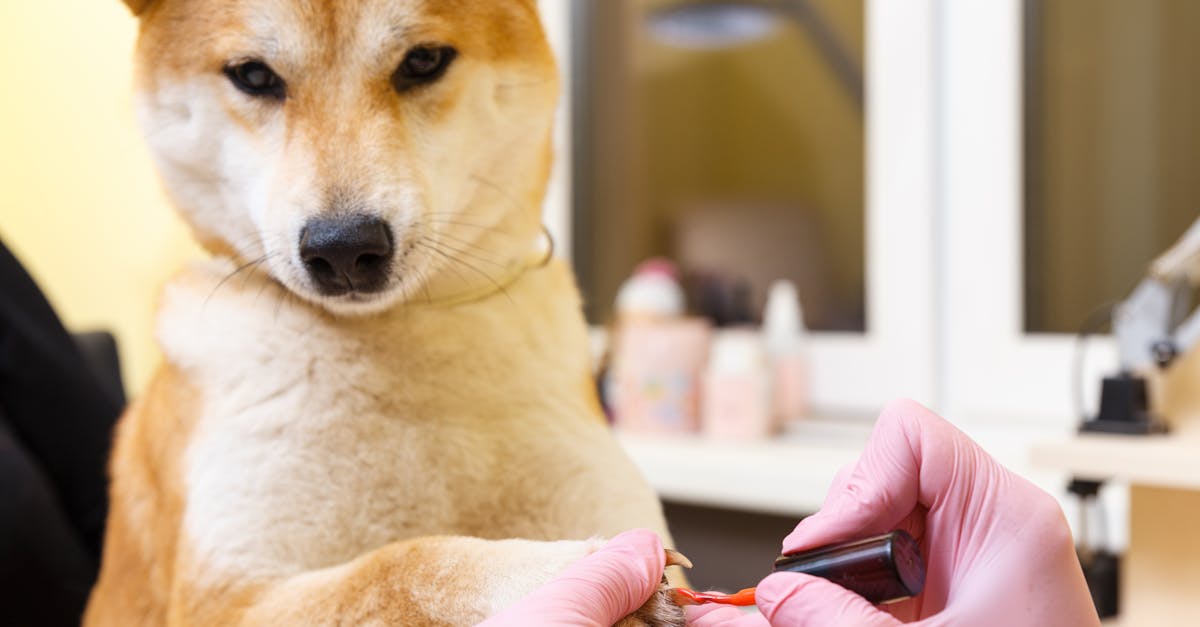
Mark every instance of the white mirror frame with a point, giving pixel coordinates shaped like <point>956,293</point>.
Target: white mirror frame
<point>994,370</point>
<point>860,372</point>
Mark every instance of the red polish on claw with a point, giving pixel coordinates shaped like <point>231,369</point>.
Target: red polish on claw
<point>742,598</point>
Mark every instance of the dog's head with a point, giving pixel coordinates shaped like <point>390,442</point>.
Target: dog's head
<point>357,149</point>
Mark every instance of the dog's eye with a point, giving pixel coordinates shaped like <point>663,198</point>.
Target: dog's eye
<point>257,79</point>
<point>423,65</point>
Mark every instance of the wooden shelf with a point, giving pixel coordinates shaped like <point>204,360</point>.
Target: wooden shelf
<point>1162,461</point>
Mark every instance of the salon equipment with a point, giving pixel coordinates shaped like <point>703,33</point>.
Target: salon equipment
<point>1101,567</point>
<point>1154,328</point>
<point>1157,331</point>
<point>883,569</point>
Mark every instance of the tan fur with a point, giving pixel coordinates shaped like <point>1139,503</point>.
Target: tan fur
<point>312,460</point>
<point>138,6</point>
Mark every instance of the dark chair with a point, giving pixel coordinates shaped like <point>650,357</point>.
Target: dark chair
<point>60,396</point>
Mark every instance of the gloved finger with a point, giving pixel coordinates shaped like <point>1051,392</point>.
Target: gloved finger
<point>723,616</point>
<point>601,588</point>
<point>914,523</point>
<point>625,572</point>
<point>839,482</point>
<point>912,457</point>
<point>800,600</point>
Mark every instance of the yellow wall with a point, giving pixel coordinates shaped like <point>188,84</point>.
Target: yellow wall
<point>79,201</point>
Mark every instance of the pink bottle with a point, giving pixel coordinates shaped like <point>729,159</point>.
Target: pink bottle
<point>658,355</point>
<point>737,388</point>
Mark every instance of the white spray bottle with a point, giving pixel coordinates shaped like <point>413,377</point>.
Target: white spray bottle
<point>785,336</point>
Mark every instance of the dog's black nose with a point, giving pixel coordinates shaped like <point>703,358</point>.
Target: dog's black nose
<point>347,254</point>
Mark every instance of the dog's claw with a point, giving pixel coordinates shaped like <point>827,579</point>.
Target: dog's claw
<point>686,596</point>
<point>675,558</point>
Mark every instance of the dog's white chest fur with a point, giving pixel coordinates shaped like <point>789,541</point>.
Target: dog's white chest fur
<point>322,438</point>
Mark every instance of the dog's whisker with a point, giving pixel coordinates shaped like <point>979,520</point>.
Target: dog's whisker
<point>424,279</point>
<point>262,288</point>
<point>465,217</point>
<point>432,225</point>
<point>454,260</point>
<point>229,276</point>
<point>257,264</point>
<point>265,284</point>
<point>500,288</point>
<point>444,222</point>
<point>475,176</point>
<point>463,211</point>
<point>420,281</point>
<point>283,294</point>
<point>253,244</point>
<point>468,254</point>
<point>463,242</point>
<point>461,277</point>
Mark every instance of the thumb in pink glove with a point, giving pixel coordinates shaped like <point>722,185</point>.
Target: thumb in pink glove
<point>998,550</point>
<point>596,591</point>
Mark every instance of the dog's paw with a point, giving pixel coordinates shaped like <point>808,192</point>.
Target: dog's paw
<point>661,610</point>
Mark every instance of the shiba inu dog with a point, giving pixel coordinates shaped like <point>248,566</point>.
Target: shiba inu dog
<point>376,404</point>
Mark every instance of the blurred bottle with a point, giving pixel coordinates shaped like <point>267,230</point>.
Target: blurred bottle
<point>785,336</point>
<point>652,292</point>
<point>658,354</point>
<point>737,388</point>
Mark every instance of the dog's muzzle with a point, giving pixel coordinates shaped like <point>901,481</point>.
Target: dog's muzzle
<point>347,254</point>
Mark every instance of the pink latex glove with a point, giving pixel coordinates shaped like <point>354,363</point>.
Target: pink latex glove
<point>598,590</point>
<point>998,550</point>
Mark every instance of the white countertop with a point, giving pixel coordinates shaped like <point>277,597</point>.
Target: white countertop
<point>791,474</point>
<point>787,475</point>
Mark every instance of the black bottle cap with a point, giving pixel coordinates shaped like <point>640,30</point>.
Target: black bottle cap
<point>883,569</point>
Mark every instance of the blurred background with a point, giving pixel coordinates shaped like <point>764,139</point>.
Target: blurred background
<point>739,153</point>
<point>954,189</point>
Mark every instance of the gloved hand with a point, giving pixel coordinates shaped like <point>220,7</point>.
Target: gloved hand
<point>598,590</point>
<point>998,550</point>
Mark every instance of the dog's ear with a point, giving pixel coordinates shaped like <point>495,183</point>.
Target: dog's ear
<point>138,6</point>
